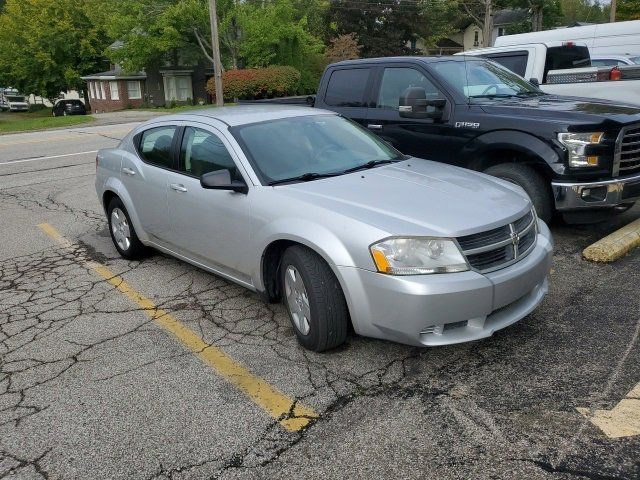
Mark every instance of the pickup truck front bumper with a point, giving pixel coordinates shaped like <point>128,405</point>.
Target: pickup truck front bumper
<point>608,193</point>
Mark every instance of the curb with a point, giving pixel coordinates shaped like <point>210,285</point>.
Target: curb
<point>614,245</point>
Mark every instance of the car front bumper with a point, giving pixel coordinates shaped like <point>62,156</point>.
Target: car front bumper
<point>431,310</point>
<point>609,193</point>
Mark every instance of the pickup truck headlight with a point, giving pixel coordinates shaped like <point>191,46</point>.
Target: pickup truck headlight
<point>576,144</point>
<point>417,256</point>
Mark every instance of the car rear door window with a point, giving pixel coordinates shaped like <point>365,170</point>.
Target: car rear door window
<point>155,146</point>
<point>396,80</point>
<point>203,152</point>
<point>516,61</point>
<point>347,88</point>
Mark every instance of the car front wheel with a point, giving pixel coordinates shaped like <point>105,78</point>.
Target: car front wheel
<point>314,299</point>
<point>122,232</point>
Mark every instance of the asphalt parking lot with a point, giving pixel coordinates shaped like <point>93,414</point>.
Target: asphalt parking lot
<point>155,369</point>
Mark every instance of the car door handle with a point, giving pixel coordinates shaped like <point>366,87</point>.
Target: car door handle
<point>128,171</point>
<point>178,187</point>
<point>374,126</point>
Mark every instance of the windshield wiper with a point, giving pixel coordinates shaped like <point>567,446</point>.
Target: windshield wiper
<point>493,95</point>
<point>368,165</point>
<point>530,94</point>
<point>305,177</point>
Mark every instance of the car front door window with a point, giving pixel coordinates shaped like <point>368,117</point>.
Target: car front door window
<point>396,80</point>
<point>203,152</point>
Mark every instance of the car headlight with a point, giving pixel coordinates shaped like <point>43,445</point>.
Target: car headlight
<point>576,144</point>
<point>417,256</point>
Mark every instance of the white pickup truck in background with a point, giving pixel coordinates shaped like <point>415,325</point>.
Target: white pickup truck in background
<point>12,100</point>
<point>564,68</point>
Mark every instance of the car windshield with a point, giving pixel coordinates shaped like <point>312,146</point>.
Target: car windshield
<point>484,79</point>
<point>635,60</point>
<point>310,147</point>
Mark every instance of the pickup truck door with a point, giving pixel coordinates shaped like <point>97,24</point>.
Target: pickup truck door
<point>424,138</point>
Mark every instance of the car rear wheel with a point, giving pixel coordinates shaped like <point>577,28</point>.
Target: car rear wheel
<point>531,181</point>
<point>314,300</point>
<point>122,232</point>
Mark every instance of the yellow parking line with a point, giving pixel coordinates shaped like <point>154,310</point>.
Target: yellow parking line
<point>292,415</point>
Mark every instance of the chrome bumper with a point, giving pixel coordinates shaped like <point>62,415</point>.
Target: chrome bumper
<point>609,193</point>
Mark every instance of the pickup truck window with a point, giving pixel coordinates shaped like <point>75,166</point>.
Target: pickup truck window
<point>514,61</point>
<point>347,87</point>
<point>566,56</point>
<point>397,80</point>
<point>484,79</point>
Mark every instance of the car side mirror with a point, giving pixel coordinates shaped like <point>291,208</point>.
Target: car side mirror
<point>534,81</point>
<point>414,104</point>
<point>221,180</point>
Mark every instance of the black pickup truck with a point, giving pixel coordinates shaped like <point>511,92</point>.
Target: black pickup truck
<point>577,156</point>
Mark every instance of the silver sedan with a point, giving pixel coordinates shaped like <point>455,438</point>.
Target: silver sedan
<point>304,206</point>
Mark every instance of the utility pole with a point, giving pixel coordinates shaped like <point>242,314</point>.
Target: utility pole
<point>215,44</point>
<point>612,14</point>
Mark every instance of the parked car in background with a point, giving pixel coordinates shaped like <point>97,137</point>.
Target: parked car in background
<point>68,107</point>
<point>13,101</point>
<point>614,60</point>
<point>564,68</point>
<point>576,156</point>
<point>602,38</point>
<point>305,206</point>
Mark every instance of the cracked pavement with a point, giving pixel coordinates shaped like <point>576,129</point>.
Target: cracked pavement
<point>90,387</point>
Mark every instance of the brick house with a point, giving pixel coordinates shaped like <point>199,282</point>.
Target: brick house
<point>168,81</point>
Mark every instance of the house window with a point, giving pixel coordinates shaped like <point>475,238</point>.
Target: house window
<point>102,94</point>
<point>476,39</point>
<point>501,31</point>
<point>133,90</point>
<point>177,88</point>
<point>91,91</point>
<point>115,93</point>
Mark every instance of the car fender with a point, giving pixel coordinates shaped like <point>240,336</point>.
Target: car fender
<point>515,140</point>
<point>306,232</point>
<point>116,186</point>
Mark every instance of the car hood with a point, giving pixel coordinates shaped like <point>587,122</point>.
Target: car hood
<point>417,197</point>
<point>572,110</point>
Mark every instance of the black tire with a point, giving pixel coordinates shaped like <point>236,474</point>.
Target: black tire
<point>136,249</point>
<point>531,181</point>
<point>328,307</point>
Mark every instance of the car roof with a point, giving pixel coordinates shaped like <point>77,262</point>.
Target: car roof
<point>246,114</point>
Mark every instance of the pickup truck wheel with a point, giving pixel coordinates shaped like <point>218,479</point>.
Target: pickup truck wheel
<point>314,299</point>
<point>122,232</point>
<point>531,181</point>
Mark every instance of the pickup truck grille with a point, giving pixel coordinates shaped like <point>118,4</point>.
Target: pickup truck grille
<point>502,246</point>
<point>628,151</point>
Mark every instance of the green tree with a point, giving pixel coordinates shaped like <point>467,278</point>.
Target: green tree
<point>45,46</point>
<point>383,27</point>
<point>628,10</point>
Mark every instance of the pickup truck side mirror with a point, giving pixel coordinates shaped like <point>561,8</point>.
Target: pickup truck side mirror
<point>221,180</point>
<point>534,81</point>
<point>414,104</point>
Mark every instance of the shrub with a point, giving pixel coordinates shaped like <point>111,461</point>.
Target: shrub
<point>257,83</point>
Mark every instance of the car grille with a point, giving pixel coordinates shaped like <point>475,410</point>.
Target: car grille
<point>502,246</point>
<point>628,151</point>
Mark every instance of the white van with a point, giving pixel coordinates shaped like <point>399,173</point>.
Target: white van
<point>618,37</point>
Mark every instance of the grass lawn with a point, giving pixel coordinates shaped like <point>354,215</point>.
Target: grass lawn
<point>37,120</point>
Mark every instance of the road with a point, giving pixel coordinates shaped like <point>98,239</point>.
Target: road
<point>115,369</point>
